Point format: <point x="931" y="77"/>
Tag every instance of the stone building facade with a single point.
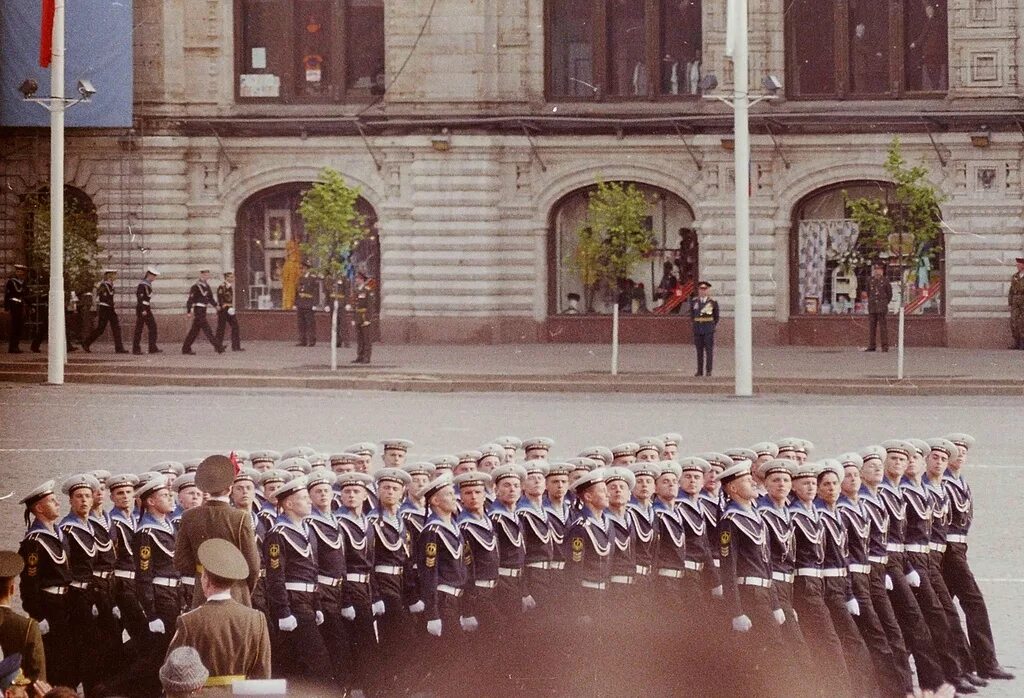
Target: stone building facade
<point x="475" y="136"/>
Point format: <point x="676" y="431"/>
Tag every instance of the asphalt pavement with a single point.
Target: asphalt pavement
<point x="50" y="431"/>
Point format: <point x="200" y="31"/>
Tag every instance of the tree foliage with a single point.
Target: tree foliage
<point x="913" y="208"/>
<point x="614" y="238"/>
<point x="81" y="243"/>
<point x="333" y="224"/>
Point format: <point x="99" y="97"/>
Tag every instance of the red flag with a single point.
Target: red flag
<point x="46" y="34"/>
<point x="234" y="462"/>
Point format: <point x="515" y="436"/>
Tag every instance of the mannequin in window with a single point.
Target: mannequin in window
<point x="929" y="50"/>
<point x="693" y="74"/>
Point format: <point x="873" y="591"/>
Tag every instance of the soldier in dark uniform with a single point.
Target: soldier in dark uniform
<point x="292" y="571"/>
<point x="957" y="571"/>
<point x="391" y="569"/>
<point x="144" y="313"/>
<point x="479" y="602"/>
<point x="106" y="313"/>
<point x="358" y="592"/>
<point x="748" y="590"/>
<point x="156" y="582"/>
<point x="645" y="523"/>
<point x="122" y="534"/>
<point x="1016" y="302"/>
<point x="364" y="305"/>
<point x="226" y="314"/>
<point x="704" y="315"/>
<point x="441" y="564"/>
<point x="104" y="563"/>
<point x="15" y="294"/>
<point x="700" y="574"/>
<point x="200" y="299"/>
<point x="19" y="633"/>
<point x="330" y="541"/>
<point x="879" y="297"/>
<point x="305" y="300"/>
<point x="243" y="496"/>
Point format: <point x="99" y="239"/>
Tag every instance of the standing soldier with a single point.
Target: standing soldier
<point x="122" y="533"/>
<point x="45" y="581"/>
<point x="479" y="607"/>
<point x="18" y="633"/>
<point x="106" y="313"/>
<point x="14" y="304"/>
<point x="879" y="297"/>
<point x="305" y="296"/>
<point x="200" y="297"/>
<point x="144" y="313"/>
<point x="324" y="526"/>
<point x="704" y="314"/>
<point x="226" y="312"/>
<point x="1016" y="300"/>
<point x="364" y="303"/>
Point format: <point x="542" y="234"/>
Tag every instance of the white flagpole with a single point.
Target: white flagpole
<point x="741" y="127"/>
<point x="56" y="351"/>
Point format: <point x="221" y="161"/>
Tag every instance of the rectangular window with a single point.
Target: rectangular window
<point x="680" y="55"/>
<point x="366" y="46"/>
<point x="870" y="48"/>
<point x="263" y="57"/>
<point x="927" y="49"/>
<point x="627" y="55"/>
<point x="571" y="37"/>
<point x="812" y="47"/>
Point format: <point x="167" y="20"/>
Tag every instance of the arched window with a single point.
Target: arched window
<point x="670" y="220"/>
<point x="830" y="261"/>
<point x="268" y="236"/>
<point x="623" y="49"/>
<point x="866" y="48"/>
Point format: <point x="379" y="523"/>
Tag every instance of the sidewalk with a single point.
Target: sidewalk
<point x="543" y="367"/>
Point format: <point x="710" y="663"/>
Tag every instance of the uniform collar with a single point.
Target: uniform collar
<point x="449" y="525"/>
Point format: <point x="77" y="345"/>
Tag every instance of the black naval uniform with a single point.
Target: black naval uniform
<point x="15" y="294"/>
<point x="510" y="590"/>
<point x="259" y="593"/>
<point x="358" y="595"/>
<point x="144" y="318"/>
<point x="959" y="577"/>
<point x="538" y="581"/>
<point x="479" y="600"/>
<point x="82" y="599"/>
<point x="443" y="576"/>
<point x="200" y="297"/>
<point x="782" y="546"/>
<point x="103" y="565"/>
<point x="105" y="313"/>
<point x="330" y="542"/>
<point x="645" y="543"/>
<point x="591" y="542"/>
<point x="122" y="533"/>
<point x="391" y="572"/>
<point x="916" y="634"/>
<point x="292" y="592"/>
<point x="364" y="301"/>
<point x="226" y="303"/>
<point x="305" y="296"/>
<point x="158" y="586"/>
<point x="704" y="315"/>
<point x="892" y="671"/>
<point x="44" y="587"/>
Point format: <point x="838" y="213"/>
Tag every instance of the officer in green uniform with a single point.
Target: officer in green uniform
<point x="305" y="296"/>
<point x="364" y="302"/>
<point x="1017" y="305"/>
<point x="18" y="633"/>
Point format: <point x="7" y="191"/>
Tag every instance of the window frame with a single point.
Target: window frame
<point x="896" y="10"/>
<point x="601" y="60"/>
<point x="338" y="92"/>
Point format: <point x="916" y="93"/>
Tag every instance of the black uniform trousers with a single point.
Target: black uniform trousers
<point x="108" y="647"/>
<point x="143" y="679"/>
<point x="133" y="620"/>
<point x="957" y="637"/>
<point x="878" y="320"/>
<point x="224" y="320"/>
<point x="86" y="638"/>
<point x="362" y="637"/>
<point x="15" y="326"/>
<point x="761" y="647"/>
<point x="307" y="326"/>
<point x="484" y="653"/>
<point x="889" y="679"/>
<point x="705" y="344"/>
<point x="144" y="320"/>
<point x="962" y="586"/>
<point x="364" y="342"/>
<point x="916" y="634"/>
<point x="831" y="671"/>
<point x="791" y="633"/>
<point x="333" y="632"/>
<point x="199" y="324"/>
<point x="858" y="659"/>
<point x="105" y="315"/>
<point x="300" y="654"/>
<point x="935" y="617"/>
<point x="445" y="654"/>
<point x="890" y="626"/>
<point x="393" y="627"/>
<point x="58" y="643"/>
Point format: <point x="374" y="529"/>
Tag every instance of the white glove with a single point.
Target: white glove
<point x="287" y="624"/>
<point x="717" y="592"/>
<point x="95" y="611"/>
<point x="116" y="612"/>
<point x="434" y="627"/>
<point x="44" y="626"/>
<point x="795" y="616"/>
<point x="528" y="603"/>
<point x="468" y="623"/>
<point x="378" y="608"/>
<point x="914" y="579"/>
<point x="888" y="583"/>
<point x="417" y="607"/>
<point x="319" y="617"/>
<point x="741" y="624"/>
<point x="853" y="607"/>
<point x="157" y="626"/>
<point x="348" y="613"/>
<point x="779" y="615"/>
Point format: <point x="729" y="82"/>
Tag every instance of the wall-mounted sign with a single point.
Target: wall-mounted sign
<point x="259" y="85"/>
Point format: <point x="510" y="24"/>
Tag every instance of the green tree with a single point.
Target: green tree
<point x="81" y="243"/>
<point x="333" y="224"/>
<point x="912" y="209"/>
<point x="587" y="260"/>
